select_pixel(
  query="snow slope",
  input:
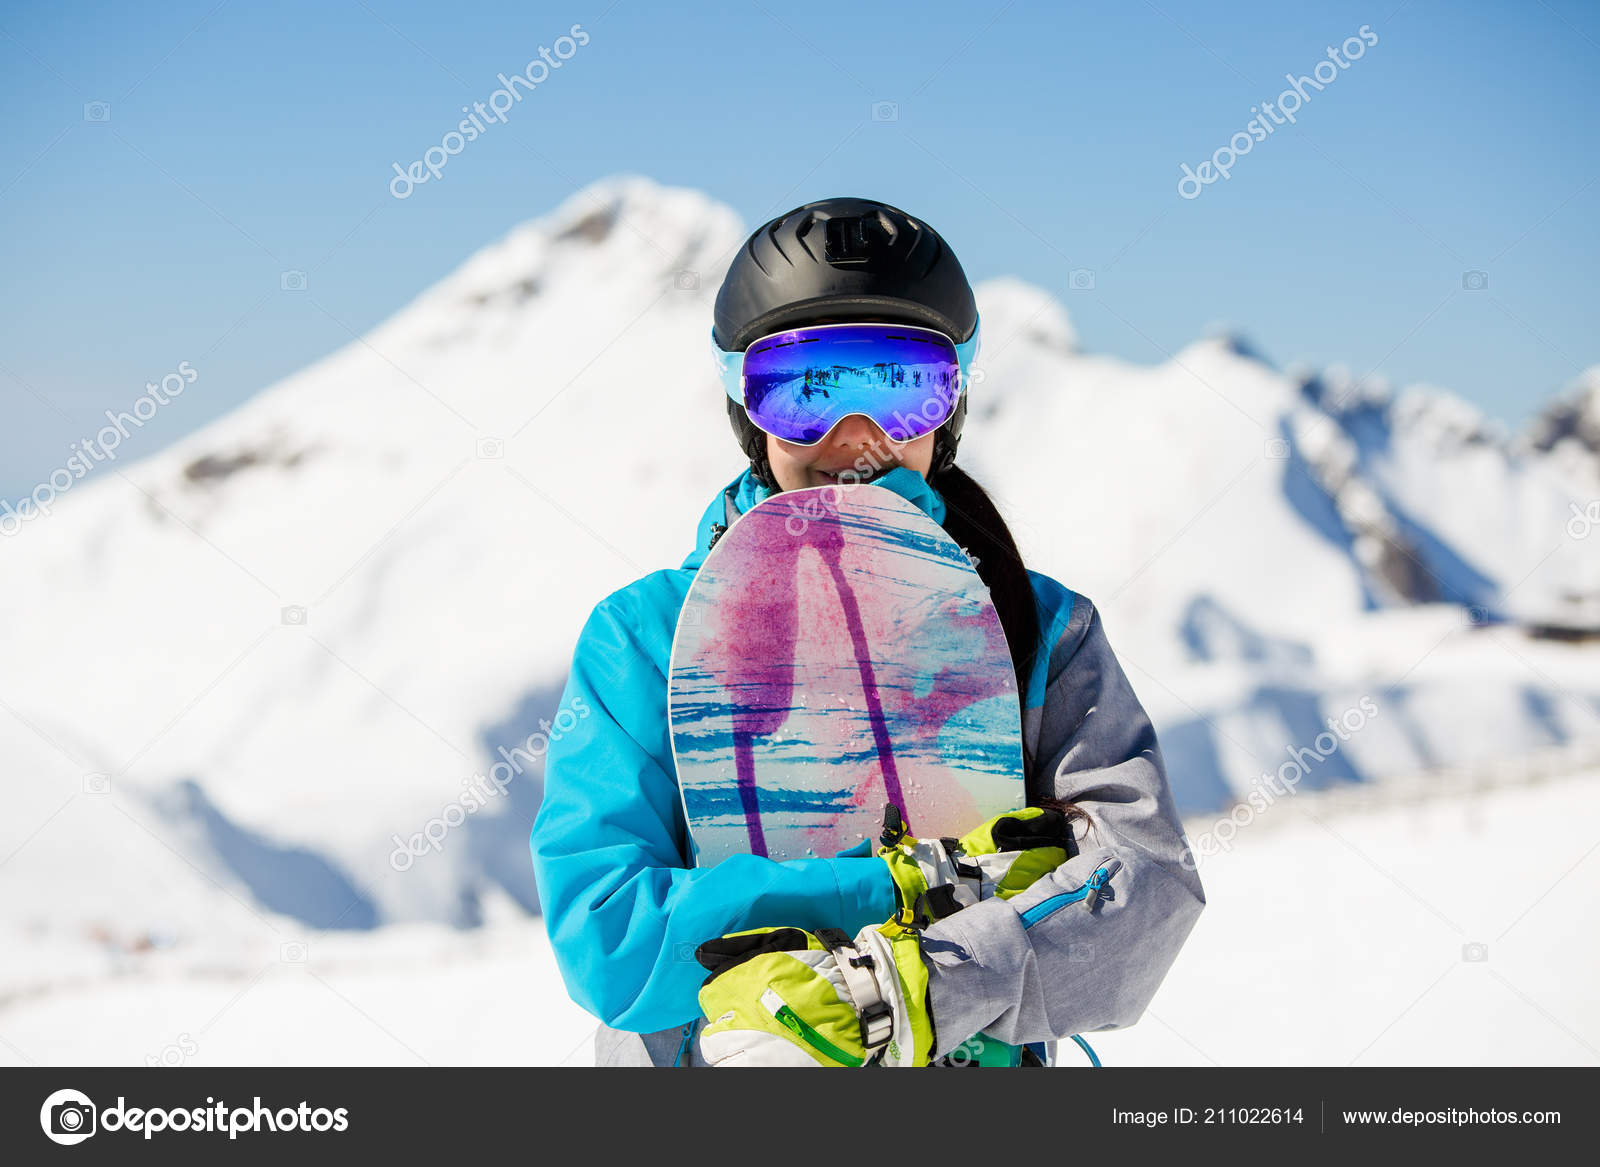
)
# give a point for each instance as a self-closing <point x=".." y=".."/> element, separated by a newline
<point x="1369" y="931"/>
<point x="1336" y="932"/>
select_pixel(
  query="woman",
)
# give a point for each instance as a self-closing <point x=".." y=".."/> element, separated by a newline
<point x="1078" y="943"/>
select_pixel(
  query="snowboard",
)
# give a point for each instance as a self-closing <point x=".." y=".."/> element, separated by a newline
<point x="837" y="651"/>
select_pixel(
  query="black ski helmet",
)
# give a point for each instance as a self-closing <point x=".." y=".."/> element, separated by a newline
<point x="842" y="259"/>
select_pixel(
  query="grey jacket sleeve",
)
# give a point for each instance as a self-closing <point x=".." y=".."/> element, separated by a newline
<point x="1063" y="958"/>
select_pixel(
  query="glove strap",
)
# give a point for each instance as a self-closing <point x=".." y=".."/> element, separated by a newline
<point x="857" y="967"/>
<point x="937" y="903"/>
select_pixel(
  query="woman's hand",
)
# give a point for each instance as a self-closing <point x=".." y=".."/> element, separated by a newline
<point x="787" y="997"/>
<point x="1002" y="856"/>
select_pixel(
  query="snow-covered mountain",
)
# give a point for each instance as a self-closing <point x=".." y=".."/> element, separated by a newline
<point x="1568" y="429"/>
<point x="305" y="629"/>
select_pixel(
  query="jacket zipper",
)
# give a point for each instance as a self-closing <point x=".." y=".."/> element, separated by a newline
<point x="683" y="1046"/>
<point x="1089" y="892"/>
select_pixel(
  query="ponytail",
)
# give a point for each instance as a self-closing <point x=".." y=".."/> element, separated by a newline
<point x="973" y="521"/>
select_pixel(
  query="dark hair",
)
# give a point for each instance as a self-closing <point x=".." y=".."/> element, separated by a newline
<point x="973" y="521"/>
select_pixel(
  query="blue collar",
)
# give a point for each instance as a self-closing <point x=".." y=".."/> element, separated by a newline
<point x="746" y="491"/>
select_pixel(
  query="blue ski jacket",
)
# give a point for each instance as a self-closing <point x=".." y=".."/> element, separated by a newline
<point x="625" y="911"/>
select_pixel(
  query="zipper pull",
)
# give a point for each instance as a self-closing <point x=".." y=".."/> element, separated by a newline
<point x="1098" y="883"/>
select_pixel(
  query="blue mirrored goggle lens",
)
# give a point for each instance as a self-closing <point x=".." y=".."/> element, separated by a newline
<point x="798" y="385"/>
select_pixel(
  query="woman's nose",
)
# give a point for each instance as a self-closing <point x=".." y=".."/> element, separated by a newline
<point x="857" y="430"/>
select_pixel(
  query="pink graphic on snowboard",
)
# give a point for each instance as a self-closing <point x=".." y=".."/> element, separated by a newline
<point x="825" y="666"/>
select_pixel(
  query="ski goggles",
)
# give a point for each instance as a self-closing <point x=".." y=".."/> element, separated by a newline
<point x="797" y="385"/>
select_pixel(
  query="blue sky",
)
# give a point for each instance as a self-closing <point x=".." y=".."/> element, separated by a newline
<point x="246" y="139"/>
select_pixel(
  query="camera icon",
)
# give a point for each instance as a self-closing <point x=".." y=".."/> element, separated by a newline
<point x="1476" y="617"/>
<point x="1276" y="449"/>
<point x="1080" y="279"/>
<point x="1474" y="281"/>
<point x="292" y="281"/>
<point x="685" y="952"/>
<point x="72" y="1118"/>
<point x="976" y="376"/>
<point x="691" y="616"/>
<point x="97" y="111"/>
<point x="1475" y="953"/>
<point x="490" y="448"/>
<point x="97" y="784"/>
<point x="885" y="111"/>
<point x="293" y="952"/>
<point x="686" y="281"/>
<point x="68" y="1117"/>
<point x="294" y="614"/>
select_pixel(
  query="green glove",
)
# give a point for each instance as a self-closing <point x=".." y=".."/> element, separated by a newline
<point x="787" y="997"/>
<point x="1002" y="856"/>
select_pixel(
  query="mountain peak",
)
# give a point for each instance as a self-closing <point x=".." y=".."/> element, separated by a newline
<point x="1013" y="309"/>
<point x="1574" y="415"/>
<point x="1568" y="431"/>
<point x="1445" y="417"/>
<point x="592" y="213"/>
<point x="625" y="232"/>
<point x="1340" y="392"/>
<point x="1233" y="340"/>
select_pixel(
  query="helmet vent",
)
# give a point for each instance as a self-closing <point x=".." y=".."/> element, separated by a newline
<point x="852" y="241"/>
